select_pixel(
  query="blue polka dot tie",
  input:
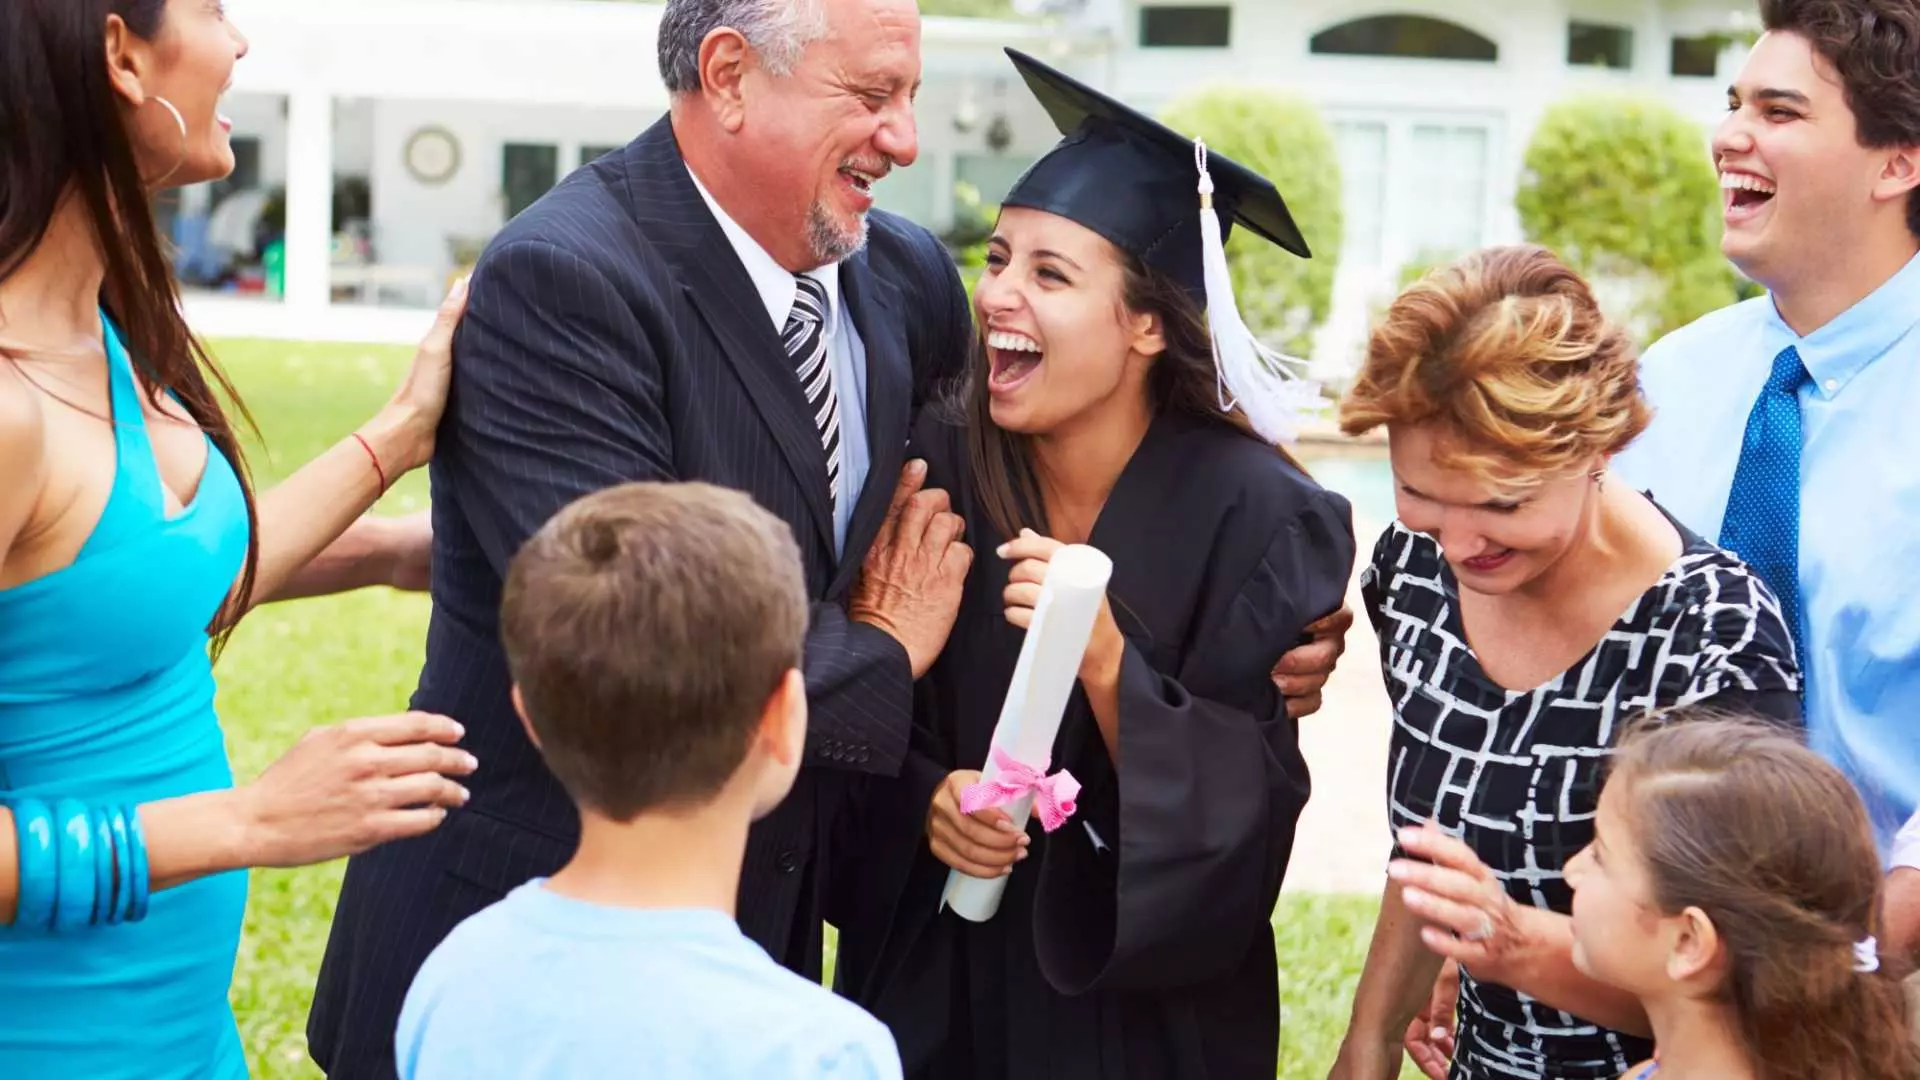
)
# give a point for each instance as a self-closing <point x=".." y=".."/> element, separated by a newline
<point x="1762" y="524"/>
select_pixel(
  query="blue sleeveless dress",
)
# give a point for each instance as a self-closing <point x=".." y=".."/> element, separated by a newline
<point x="106" y="693"/>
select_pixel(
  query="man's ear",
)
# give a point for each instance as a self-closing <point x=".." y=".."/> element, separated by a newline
<point x="520" y="709"/>
<point x="1900" y="175"/>
<point x="724" y="59"/>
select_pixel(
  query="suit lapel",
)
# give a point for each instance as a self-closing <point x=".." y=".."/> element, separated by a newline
<point x="878" y="315"/>
<point x="720" y="289"/>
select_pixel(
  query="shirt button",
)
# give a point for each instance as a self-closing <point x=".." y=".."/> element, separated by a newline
<point x="788" y="862"/>
<point x="1831" y="385"/>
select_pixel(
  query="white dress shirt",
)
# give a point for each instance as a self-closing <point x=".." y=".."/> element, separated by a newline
<point x="845" y="351"/>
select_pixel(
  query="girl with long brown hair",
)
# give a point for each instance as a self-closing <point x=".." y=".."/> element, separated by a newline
<point x="1132" y="939"/>
<point x="1733" y="886"/>
<point x="129" y="534"/>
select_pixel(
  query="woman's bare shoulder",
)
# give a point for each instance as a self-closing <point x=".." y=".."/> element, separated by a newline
<point x="23" y="448"/>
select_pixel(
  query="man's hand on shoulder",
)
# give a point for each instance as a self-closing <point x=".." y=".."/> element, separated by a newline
<point x="911" y="580"/>
<point x="1303" y="672"/>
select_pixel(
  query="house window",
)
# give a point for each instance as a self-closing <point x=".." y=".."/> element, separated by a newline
<point x="1414" y="36"/>
<point x="1363" y="188"/>
<point x="591" y="153"/>
<point x="527" y="171"/>
<point x="1170" y="27"/>
<point x="1452" y="190"/>
<point x="1695" y="57"/>
<point x="1599" y="45"/>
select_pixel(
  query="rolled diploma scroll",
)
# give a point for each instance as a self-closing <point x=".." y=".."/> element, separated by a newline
<point x="1043" y="680"/>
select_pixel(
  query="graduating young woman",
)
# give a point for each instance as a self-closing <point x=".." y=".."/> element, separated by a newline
<point x="1134" y="939"/>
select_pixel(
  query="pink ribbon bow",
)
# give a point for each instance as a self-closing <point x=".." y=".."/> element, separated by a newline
<point x="1052" y="795"/>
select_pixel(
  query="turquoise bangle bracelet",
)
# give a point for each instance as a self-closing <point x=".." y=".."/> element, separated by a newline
<point x="73" y="891"/>
<point x="39" y="866"/>
<point x="122" y="891"/>
<point x="103" y="855"/>
<point x="137" y="850"/>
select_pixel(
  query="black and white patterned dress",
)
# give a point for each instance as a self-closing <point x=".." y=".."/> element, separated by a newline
<point x="1517" y="774"/>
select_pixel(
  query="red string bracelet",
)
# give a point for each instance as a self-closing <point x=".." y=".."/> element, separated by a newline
<point x="378" y="471"/>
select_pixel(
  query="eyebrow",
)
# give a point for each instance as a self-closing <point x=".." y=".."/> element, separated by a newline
<point x="1488" y="504"/>
<point x="1043" y="253"/>
<point x="1773" y="93"/>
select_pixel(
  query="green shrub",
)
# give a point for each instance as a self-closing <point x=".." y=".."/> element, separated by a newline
<point x="1283" y="297"/>
<point x="1622" y="188"/>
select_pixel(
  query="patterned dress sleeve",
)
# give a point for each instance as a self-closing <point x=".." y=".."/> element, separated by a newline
<point x="1746" y="661"/>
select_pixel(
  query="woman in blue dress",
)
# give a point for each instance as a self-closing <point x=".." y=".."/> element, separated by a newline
<point x="128" y="535"/>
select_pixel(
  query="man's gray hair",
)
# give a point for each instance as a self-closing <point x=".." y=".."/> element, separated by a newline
<point x="778" y="30"/>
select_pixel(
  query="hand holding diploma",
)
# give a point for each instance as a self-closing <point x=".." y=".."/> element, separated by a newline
<point x="1057" y="593"/>
<point x="1032" y="554"/>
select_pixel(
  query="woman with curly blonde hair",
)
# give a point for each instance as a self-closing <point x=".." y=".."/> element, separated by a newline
<point x="1527" y="605"/>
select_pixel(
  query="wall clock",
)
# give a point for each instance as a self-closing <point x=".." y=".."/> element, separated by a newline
<point x="432" y="155"/>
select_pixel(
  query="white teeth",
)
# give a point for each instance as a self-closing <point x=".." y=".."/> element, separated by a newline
<point x="1011" y="342"/>
<point x="1743" y="182"/>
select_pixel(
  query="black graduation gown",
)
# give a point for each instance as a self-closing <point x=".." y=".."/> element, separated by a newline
<point x="1135" y="941"/>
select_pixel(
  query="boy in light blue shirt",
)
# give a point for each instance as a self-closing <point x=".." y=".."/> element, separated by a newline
<point x="654" y="634"/>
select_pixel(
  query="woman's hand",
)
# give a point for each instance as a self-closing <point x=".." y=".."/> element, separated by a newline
<point x="348" y="787"/>
<point x="1429" y="1040"/>
<point x="985" y="845"/>
<point x="402" y="434"/>
<point x="1030" y="553"/>
<point x="1470" y="918"/>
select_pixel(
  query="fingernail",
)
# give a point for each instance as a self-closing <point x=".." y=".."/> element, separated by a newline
<point x="472" y="762"/>
<point x="465" y="795"/>
<point x="1396" y="870"/>
<point x="1020" y="855"/>
<point x="917" y="467"/>
<point x="1001" y="550"/>
<point x="1412" y="896"/>
<point x="1437" y="1033"/>
<point x="1005" y="826"/>
<point x="459" y="730"/>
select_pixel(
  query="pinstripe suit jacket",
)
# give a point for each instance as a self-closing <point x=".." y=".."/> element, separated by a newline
<point x="611" y="335"/>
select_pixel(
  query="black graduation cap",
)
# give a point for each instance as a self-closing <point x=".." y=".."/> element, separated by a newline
<point x="1170" y="201"/>
<point x="1133" y="180"/>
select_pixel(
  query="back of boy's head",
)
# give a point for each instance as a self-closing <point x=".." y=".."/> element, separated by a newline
<point x="647" y="627"/>
<point x="1737" y="817"/>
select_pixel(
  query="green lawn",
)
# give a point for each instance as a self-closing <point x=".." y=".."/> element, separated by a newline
<point x="292" y="666"/>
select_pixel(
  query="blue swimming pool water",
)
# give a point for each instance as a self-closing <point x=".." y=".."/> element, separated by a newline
<point x="1367" y="482"/>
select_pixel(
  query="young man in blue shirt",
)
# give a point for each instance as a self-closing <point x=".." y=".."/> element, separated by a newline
<point x="654" y="634"/>
<point x="1788" y="427"/>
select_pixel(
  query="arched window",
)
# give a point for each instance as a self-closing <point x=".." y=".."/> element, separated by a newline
<point x="1416" y="36"/>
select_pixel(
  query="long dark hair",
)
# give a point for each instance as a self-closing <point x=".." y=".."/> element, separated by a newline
<point x="1182" y="381"/>
<point x="1738" y="818"/>
<point x="63" y="135"/>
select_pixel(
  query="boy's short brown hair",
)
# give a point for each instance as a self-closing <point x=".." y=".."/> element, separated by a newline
<point x="646" y="627"/>
<point x="1874" y="49"/>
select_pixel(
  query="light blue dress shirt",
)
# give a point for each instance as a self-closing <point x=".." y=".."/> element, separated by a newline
<point x="845" y="351"/>
<point x="540" y="986"/>
<point x="1859" y="507"/>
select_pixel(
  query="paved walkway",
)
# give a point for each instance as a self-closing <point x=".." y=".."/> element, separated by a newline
<point x="1343" y="840"/>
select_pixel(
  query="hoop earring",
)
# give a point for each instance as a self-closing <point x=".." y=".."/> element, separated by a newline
<point x="181" y="122"/>
<point x="1599" y="478"/>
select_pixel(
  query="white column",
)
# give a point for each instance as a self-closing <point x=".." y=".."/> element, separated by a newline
<point x="309" y="199"/>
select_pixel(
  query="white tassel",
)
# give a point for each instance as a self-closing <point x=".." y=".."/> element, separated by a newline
<point x="1271" y="387"/>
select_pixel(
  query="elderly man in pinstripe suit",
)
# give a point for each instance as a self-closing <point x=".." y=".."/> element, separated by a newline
<point x="717" y="301"/>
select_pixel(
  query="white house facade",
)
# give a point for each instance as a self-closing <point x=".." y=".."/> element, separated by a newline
<point x="404" y="133"/>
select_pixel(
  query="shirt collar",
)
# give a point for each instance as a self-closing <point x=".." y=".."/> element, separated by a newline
<point x="773" y="282"/>
<point x="1863" y="333"/>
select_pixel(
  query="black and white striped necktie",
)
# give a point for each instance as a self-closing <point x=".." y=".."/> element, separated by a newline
<point x="806" y="343"/>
